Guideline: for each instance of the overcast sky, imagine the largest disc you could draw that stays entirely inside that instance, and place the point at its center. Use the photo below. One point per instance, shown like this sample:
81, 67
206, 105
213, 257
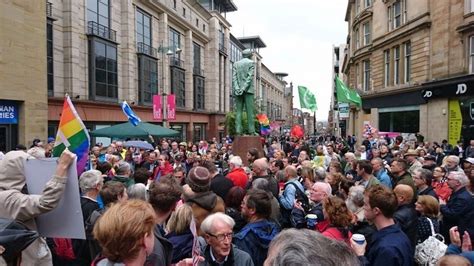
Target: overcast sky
299, 35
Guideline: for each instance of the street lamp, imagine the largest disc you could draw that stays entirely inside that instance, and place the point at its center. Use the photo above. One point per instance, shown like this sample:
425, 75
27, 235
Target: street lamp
168, 51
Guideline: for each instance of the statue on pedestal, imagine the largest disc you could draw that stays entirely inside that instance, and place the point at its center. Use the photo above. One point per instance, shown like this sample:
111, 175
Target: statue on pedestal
243, 90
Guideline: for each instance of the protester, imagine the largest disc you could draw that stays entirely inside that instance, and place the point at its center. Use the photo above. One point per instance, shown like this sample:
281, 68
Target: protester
390, 245
236, 172
260, 170
163, 197
306, 247
400, 174
123, 172
233, 207
423, 179
179, 233
125, 233
218, 233
17, 204
255, 237
364, 169
380, 172
339, 218
428, 207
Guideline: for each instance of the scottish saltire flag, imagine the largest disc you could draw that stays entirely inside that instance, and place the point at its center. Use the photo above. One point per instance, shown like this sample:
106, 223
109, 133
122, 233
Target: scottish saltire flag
132, 117
72, 134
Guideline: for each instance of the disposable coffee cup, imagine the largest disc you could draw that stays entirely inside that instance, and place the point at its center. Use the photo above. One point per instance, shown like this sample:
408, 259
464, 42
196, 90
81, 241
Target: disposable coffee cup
358, 238
311, 220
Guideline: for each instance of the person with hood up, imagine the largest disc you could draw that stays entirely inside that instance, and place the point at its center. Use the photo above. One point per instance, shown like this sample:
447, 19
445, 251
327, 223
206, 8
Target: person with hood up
199, 196
17, 204
256, 236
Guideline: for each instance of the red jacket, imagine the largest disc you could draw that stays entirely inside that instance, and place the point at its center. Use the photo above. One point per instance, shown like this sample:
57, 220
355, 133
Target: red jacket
163, 170
238, 177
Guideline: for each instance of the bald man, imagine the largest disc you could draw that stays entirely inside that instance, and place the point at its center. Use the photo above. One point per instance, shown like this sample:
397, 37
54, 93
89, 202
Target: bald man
260, 170
406, 215
293, 190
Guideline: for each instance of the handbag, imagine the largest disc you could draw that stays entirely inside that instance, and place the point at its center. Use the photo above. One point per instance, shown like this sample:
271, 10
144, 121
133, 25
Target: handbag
429, 251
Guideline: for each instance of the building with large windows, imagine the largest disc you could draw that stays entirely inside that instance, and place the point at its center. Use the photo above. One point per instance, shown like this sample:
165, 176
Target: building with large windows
105, 52
411, 62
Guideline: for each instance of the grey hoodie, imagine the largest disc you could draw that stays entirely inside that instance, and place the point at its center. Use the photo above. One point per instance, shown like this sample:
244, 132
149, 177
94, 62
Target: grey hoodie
23, 207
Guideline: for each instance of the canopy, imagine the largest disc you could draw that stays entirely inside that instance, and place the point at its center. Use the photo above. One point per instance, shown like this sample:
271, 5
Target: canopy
142, 130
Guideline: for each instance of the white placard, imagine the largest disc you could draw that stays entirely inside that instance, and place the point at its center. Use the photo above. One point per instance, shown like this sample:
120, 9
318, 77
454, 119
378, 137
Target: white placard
64, 221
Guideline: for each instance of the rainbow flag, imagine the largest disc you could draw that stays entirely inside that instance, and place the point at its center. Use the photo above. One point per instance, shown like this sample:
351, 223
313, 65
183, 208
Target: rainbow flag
72, 134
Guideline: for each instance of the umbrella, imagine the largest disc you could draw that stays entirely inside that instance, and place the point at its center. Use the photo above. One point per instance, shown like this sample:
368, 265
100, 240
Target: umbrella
14, 237
142, 130
139, 144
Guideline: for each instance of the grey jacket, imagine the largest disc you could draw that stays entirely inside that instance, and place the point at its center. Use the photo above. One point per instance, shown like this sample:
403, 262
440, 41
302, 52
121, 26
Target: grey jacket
237, 257
25, 208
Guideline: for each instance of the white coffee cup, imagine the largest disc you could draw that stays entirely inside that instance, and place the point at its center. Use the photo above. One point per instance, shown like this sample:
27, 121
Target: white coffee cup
358, 238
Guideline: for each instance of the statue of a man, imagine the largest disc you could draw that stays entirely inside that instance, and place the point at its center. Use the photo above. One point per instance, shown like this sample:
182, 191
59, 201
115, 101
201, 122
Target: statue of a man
243, 90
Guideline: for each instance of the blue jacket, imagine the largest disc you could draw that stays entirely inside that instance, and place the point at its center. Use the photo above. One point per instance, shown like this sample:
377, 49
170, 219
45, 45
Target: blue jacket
182, 245
390, 246
455, 250
287, 199
455, 210
383, 177
255, 238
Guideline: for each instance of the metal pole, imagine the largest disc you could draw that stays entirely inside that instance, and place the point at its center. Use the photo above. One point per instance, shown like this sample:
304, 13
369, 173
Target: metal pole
163, 92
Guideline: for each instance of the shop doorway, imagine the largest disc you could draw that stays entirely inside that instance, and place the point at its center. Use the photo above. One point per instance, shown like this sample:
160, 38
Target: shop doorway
8, 137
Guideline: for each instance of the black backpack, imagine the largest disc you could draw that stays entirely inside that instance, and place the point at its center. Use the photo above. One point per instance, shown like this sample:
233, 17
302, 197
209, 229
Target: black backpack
285, 220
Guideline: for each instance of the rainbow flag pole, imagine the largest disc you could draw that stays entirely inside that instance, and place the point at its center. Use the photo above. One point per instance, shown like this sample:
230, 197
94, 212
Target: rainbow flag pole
72, 134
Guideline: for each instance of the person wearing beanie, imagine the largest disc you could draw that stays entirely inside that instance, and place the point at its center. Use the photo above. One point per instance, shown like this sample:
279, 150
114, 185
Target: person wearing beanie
201, 199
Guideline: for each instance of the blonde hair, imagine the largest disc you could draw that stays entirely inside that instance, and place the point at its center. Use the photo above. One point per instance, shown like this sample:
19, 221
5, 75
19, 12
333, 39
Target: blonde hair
121, 229
180, 219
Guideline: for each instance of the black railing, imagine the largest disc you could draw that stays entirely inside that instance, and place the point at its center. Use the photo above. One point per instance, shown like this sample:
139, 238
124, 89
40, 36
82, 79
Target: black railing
95, 28
176, 61
222, 48
198, 71
143, 48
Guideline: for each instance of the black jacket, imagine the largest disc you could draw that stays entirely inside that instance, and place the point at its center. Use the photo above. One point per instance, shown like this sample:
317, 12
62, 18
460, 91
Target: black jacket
428, 191
162, 253
407, 218
454, 212
272, 184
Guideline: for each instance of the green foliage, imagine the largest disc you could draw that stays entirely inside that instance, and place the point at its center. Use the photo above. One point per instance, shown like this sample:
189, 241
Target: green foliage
230, 123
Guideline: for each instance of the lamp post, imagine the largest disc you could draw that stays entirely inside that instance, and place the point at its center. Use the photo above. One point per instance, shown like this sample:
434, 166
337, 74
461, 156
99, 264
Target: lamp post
168, 51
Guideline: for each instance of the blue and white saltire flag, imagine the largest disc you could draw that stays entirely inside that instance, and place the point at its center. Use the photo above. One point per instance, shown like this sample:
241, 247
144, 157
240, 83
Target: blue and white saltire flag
132, 117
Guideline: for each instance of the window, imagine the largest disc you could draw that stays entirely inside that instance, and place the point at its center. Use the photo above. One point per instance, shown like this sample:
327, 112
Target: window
184, 12
366, 27
204, 27
98, 11
199, 132
143, 27
50, 63
396, 65
174, 4
197, 22
397, 14
103, 70
147, 79
366, 75
386, 54
469, 6
367, 3
199, 93
356, 33
357, 5
178, 86
407, 61
357, 85
401, 121
471, 54
175, 41
197, 59
221, 37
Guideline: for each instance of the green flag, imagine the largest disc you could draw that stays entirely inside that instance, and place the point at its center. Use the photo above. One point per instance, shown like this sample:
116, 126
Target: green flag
346, 95
307, 99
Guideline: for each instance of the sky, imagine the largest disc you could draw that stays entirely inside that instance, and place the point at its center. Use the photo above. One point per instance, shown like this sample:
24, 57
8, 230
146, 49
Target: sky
299, 35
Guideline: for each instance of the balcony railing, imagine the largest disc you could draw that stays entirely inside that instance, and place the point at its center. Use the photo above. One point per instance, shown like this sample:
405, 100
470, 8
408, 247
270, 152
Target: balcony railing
222, 48
198, 71
143, 48
177, 62
49, 9
94, 28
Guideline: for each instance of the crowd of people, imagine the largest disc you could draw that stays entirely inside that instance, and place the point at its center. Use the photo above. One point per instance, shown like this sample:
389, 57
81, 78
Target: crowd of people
291, 201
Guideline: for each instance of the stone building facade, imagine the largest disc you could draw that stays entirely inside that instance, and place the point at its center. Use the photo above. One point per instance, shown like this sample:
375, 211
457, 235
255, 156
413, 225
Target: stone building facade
411, 62
107, 51
23, 99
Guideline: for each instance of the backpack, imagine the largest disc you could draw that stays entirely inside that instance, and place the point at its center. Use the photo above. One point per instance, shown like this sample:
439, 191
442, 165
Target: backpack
285, 219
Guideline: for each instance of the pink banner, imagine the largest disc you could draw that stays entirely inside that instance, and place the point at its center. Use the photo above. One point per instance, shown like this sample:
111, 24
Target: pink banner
171, 111
157, 108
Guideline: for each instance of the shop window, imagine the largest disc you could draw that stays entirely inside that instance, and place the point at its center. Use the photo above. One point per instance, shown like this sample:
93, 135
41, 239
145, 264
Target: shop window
403, 122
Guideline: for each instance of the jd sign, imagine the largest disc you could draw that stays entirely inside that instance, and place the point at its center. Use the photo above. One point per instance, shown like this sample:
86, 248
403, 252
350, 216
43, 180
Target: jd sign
461, 90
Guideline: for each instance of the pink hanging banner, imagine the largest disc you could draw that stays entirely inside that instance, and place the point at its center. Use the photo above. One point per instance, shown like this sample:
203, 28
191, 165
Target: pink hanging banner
157, 108
171, 111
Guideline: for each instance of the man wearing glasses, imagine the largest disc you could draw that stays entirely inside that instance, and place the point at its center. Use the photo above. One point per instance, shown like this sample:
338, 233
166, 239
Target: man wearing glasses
217, 229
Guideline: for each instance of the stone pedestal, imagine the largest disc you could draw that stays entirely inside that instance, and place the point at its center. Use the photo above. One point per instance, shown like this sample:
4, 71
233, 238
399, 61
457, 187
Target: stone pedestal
242, 144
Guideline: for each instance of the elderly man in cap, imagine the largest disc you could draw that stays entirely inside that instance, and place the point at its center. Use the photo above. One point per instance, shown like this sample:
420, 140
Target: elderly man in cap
198, 194
217, 229
411, 157
429, 162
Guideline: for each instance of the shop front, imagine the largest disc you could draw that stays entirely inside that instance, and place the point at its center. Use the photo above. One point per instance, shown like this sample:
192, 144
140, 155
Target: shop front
459, 94
9, 116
